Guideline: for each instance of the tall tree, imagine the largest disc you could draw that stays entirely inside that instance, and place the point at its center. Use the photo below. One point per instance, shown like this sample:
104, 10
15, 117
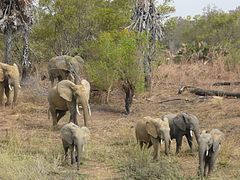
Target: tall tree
148, 19
16, 15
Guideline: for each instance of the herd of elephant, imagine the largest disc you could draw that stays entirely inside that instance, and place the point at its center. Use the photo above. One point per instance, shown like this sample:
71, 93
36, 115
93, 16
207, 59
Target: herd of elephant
73, 92
70, 93
154, 131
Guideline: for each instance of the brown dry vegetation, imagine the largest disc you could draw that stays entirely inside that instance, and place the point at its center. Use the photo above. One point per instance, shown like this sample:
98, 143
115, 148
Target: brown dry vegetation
30, 149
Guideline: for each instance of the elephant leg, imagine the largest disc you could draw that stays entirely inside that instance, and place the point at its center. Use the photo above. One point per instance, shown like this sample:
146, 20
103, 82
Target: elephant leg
65, 147
212, 161
189, 140
178, 144
60, 114
149, 144
1, 93
72, 155
141, 145
7, 92
206, 169
206, 166
155, 148
52, 80
54, 116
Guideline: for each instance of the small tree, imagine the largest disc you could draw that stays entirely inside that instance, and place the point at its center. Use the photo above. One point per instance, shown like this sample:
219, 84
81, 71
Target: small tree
117, 62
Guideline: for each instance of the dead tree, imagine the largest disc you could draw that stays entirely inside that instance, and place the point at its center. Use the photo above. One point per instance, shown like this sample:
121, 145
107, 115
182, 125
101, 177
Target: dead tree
146, 18
16, 15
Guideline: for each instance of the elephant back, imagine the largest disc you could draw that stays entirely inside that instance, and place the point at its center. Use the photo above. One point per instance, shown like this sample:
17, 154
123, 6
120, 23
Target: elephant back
57, 62
67, 132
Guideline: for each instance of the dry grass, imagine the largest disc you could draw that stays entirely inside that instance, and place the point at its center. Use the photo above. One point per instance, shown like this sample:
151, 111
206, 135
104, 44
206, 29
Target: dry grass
30, 149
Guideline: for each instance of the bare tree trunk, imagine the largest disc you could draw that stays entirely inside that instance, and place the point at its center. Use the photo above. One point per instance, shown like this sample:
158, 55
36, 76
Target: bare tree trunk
8, 45
147, 72
26, 64
108, 93
129, 91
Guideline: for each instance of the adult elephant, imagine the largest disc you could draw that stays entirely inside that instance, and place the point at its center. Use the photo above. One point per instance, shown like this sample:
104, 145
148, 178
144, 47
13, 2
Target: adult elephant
183, 124
152, 131
67, 96
9, 80
65, 67
209, 146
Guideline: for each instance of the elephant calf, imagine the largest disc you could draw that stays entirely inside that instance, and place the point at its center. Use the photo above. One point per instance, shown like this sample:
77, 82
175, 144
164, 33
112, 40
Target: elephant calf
152, 131
75, 138
209, 146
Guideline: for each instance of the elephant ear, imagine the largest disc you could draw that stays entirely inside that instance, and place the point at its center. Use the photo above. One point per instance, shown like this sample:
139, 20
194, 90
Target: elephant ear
1, 75
151, 128
180, 121
65, 89
86, 134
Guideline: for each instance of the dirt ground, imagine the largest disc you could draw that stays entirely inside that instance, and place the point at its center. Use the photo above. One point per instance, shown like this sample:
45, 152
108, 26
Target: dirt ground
30, 114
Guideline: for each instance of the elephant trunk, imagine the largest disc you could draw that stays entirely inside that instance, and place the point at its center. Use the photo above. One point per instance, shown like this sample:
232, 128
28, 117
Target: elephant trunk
79, 152
86, 115
167, 141
197, 135
202, 150
15, 95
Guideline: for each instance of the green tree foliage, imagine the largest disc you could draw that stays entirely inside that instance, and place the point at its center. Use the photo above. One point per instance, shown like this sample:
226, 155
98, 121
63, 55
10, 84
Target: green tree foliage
214, 34
64, 26
215, 29
116, 60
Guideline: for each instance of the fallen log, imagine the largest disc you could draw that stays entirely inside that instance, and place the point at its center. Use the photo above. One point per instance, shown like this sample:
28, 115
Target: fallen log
203, 92
226, 83
176, 99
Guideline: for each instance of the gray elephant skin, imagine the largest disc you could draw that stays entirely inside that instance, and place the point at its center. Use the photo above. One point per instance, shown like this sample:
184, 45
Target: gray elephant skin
65, 67
183, 124
209, 146
152, 131
74, 138
9, 80
67, 96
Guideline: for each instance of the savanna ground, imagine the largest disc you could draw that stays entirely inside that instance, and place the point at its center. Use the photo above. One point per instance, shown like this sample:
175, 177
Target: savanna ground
30, 149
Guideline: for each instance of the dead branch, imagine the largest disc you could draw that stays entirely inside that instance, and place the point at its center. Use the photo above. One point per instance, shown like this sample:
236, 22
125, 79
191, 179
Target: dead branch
204, 92
175, 99
226, 83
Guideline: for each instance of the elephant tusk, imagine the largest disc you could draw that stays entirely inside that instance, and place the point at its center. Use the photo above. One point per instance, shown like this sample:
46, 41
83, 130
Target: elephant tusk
170, 141
78, 110
89, 110
83, 148
161, 141
10, 87
207, 153
72, 76
19, 86
191, 133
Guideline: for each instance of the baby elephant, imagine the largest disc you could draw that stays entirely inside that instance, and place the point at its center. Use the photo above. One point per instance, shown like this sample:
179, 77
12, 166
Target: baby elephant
209, 146
74, 137
152, 131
